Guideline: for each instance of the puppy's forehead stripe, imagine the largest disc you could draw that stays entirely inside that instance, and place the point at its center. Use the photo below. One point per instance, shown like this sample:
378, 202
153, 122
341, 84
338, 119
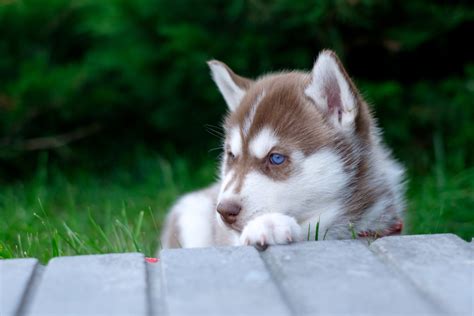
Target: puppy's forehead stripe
229, 180
235, 141
251, 114
263, 142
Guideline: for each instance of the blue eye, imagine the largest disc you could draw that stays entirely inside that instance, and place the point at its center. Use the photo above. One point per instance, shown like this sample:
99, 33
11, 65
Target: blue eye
277, 159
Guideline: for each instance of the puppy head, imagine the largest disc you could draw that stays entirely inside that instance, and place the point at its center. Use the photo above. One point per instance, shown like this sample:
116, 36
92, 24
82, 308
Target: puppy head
283, 137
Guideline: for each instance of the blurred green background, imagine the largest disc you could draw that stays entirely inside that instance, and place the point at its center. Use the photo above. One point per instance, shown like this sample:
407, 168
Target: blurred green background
108, 112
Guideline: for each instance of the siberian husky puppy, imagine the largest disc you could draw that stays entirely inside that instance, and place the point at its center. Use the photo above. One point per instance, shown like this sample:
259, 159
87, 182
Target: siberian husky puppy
302, 157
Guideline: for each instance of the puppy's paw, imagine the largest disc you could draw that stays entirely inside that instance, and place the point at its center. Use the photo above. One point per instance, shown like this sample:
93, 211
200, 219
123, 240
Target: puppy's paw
270, 229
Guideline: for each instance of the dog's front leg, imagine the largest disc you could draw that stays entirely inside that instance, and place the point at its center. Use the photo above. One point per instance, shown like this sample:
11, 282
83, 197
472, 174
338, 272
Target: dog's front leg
271, 229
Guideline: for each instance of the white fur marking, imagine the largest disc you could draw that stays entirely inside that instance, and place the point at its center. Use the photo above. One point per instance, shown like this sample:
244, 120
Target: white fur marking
261, 144
193, 221
227, 179
235, 141
250, 116
271, 229
226, 191
231, 92
317, 188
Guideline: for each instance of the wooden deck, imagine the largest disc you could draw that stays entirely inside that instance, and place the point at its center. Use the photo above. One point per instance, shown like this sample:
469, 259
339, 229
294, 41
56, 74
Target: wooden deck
404, 275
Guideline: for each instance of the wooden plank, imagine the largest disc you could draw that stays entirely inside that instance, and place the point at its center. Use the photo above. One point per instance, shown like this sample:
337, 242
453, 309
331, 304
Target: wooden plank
440, 265
156, 297
341, 278
218, 281
15, 278
113, 284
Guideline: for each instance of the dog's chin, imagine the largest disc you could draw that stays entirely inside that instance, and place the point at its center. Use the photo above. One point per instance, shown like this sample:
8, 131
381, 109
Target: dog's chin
238, 228
234, 226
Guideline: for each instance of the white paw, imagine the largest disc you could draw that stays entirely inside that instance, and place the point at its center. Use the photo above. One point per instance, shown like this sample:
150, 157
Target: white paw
270, 229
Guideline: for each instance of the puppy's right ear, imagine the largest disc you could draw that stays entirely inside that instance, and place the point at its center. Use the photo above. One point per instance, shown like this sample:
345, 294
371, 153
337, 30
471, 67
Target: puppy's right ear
232, 87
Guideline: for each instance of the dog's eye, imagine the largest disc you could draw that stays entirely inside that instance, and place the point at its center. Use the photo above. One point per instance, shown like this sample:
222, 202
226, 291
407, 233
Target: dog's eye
230, 155
277, 159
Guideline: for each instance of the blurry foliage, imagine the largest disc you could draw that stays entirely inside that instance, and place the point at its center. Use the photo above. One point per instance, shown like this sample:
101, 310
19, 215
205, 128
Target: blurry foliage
87, 80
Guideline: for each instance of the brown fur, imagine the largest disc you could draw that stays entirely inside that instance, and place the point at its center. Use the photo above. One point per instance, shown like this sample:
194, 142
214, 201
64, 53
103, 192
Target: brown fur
301, 126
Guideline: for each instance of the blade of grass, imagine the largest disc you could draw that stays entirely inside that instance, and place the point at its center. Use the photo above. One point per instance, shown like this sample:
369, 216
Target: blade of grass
99, 230
316, 233
54, 247
351, 228
74, 239
325, 233
129, 234
138, 226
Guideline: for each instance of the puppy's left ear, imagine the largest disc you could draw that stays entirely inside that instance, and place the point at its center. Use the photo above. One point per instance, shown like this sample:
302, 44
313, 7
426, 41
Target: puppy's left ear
232, 87
333, 92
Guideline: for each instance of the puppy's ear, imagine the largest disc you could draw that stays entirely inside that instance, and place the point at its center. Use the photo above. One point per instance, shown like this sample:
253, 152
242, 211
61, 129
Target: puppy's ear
333, 92
231, 86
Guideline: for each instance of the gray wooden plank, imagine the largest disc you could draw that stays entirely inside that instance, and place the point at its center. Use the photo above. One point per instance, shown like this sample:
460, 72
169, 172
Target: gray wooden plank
440, 265
154, 281
15, 277
218, 281
341, 277
112, 284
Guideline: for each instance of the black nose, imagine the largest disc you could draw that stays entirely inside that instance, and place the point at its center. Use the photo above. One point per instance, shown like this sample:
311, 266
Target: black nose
229, 211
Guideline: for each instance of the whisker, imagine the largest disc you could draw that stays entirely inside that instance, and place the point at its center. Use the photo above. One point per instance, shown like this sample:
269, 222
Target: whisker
216, 148
214, 130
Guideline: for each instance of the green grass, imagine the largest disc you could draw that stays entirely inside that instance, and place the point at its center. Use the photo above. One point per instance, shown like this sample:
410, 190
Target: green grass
442, 204
55, 213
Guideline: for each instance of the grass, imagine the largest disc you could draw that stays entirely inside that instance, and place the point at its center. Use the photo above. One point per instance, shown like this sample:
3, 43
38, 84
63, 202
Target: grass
57, 213
442, 205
